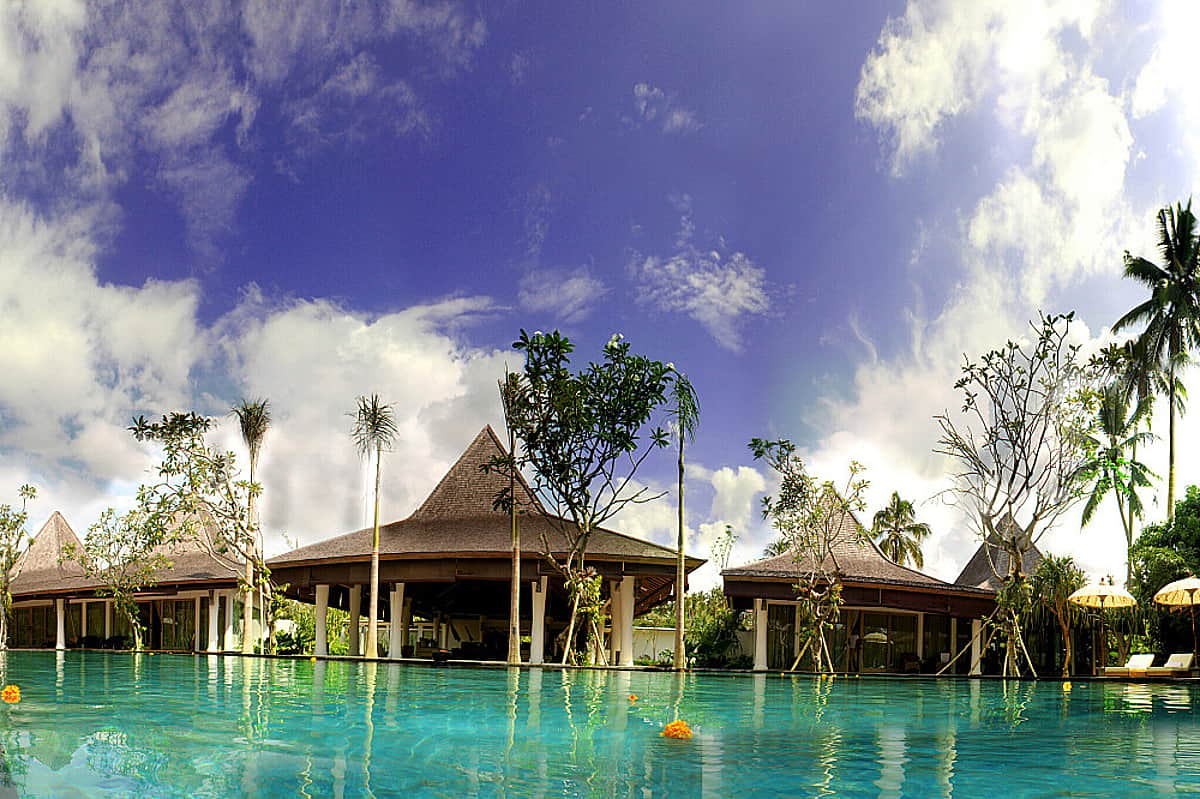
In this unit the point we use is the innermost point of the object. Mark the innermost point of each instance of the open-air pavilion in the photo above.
(445, 573)
(893, 619)
(194, 604)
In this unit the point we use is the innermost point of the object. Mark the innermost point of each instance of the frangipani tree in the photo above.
(813, 518)
(14, 540)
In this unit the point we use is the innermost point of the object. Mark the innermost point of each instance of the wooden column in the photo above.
(355, 616)
(537, 629)
(321, 645)
(760, 635)
(976, 645)
(196, 625)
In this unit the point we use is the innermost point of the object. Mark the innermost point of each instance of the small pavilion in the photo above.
(445, 572)
(893, 619)
(193, 605)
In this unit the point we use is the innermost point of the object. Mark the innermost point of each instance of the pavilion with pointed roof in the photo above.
(893, 618)
(192, 603)
(449, 564)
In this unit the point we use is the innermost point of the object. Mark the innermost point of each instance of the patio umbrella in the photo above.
(1182, 594)
(1104, 596)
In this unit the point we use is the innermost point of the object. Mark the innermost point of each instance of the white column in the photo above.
(921, 636)
(395, 641)
(214, 609)
(537, 629)
(627, 606)
(355, 617)
(60, 635)
(229, 644)
(760, 635)
(614, 611)
(108, 618)
(976, 645)
(321, 645)
(196, 625)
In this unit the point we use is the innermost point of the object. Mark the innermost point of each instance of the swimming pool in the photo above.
(112, 724)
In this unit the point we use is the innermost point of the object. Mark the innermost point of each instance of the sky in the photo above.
(814, 214)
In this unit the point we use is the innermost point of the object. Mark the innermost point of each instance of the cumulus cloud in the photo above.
(654, 106)
(562, 294)
(715, 288)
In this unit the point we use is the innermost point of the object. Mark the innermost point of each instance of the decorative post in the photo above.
(60, 634)
(355, 616)
(321, 645)
(537, 630)
(760, 635)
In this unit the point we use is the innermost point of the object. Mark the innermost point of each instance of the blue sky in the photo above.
(812, 212)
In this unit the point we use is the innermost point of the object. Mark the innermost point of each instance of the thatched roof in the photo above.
(853, 555)
(195, 559)
(39, 569)
(458, 519)
(990, 560)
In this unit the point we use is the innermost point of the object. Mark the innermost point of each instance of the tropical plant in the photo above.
(1112, 466)
(583, 435)
(1163, 553)
(813, 516)
(123, 552)
(374, 431)
(898, 532)
(1053, 580)
(1170, 318)
(254, 419)
(686, 412)
(14, 540)
(1019, 448)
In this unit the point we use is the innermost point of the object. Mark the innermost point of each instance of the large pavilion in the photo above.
(893, 619)
(55, 605)
(449, 563)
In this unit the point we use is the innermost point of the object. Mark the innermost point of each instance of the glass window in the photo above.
(937, 645)
(781, 636)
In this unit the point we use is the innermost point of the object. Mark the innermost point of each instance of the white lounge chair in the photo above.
(1177, 665)
(1137, 665)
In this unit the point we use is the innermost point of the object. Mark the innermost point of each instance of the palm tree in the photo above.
(898, 532)
(1171, 315)
(1109, 466)
(374, 431)
(687, 418)
(254, 418)
(1055, 579)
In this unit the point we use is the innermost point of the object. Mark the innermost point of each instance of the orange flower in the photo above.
(677, 729)
(633, 697)
(11, 694)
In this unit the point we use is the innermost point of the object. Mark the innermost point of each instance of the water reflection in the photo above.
(93, 724)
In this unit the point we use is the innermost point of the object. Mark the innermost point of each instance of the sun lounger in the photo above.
(1135, 667)
(1177, 665)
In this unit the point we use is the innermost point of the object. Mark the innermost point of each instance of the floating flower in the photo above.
(11, 694)
(1067, 687)
(633, 697)
(677, 729)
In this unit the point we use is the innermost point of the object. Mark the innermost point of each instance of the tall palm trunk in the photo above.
(248, 590)
(1171, 446)
(372, 648)
(514, 599)
(680, 574)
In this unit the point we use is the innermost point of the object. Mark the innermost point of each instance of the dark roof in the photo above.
(852, 554)
(39, 568)
(990, 560)
(458, 519)
(39, 571)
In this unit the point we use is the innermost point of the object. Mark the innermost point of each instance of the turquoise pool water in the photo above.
(93, 724)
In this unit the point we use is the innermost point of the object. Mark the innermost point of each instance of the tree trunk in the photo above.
(1171, 447)
(1066, 634)
(680, 574)
(514, 598)
(372, 647)
(248, 590)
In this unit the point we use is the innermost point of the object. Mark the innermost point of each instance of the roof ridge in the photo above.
(469, 494)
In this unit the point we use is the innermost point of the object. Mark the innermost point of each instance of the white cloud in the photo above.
(656, 106)
(564, 295)
(716, 289)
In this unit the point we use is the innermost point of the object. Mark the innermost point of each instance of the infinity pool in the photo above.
(93, 724)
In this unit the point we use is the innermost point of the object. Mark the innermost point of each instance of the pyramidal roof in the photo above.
(468, 490)
(990, 564)
(40, 564)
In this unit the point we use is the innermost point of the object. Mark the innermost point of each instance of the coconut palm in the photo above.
(1113, 465)
(374, 431)
(687, 417)
(254, 419)
(898, 532)
(1055, 579)
(1171, 316)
